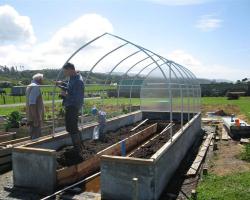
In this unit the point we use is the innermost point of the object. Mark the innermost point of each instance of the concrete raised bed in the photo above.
(34, 164)
(75, 172)
(153, 174)
(6, 152)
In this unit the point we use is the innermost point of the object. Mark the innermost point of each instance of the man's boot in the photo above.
(76, 140)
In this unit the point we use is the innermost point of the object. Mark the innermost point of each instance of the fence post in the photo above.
(123, 148)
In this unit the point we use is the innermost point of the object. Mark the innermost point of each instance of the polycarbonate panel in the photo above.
(155, 95)
(135, 73)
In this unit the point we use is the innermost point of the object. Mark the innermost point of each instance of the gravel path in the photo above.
(7, 192)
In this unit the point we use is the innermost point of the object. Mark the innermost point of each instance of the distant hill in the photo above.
(24, 77)
(212, 81)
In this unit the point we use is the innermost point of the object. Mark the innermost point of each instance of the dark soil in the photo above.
(152, 147)
(67, 155)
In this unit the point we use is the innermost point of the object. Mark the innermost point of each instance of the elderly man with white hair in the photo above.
(34, 106)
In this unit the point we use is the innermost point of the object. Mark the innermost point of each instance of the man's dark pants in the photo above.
(71, 123)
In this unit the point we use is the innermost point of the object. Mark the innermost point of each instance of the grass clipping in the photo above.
(229, 187)
(245, 154)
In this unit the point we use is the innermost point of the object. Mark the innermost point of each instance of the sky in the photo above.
(209, 37)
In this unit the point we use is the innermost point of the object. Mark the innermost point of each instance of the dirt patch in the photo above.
(226, 159)
(153, 146)
(67, 156)
(228, 109)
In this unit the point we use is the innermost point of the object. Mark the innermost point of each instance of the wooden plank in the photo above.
(66, 172)
(14, 141)
(200, 156)
(6, 137)
(224, 135)
(35, 150)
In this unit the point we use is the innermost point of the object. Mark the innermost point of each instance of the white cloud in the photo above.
(14, 27)
(206, 70)
(183, 58)
(208, 23)
(57, 49)
(81, 30)
(179, 2)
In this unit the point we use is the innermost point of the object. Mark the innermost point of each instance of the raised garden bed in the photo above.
(40, 156)
(67, 156)
(153, 165)
(151, 147)
(92, 163)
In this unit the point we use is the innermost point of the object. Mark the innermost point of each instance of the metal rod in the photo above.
(181, 110)
(135, 187)
(138, 125)
(71, 186)
(171, 103)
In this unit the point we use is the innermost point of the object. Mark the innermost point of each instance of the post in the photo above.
(171, 103)
(123, 148)
(181, 109)
(188, 103)
(135, 188)
(193, 101)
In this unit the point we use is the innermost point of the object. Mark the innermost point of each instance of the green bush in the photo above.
(245, 154)
(13, 120)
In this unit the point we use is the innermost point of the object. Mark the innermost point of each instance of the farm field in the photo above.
(48, 93)
(239, 107)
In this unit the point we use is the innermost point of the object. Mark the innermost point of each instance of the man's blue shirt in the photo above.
(75, 90)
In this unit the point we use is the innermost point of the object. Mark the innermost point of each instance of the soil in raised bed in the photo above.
(67, 155)
(153, 146)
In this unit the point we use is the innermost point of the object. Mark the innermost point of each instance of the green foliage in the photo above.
(125, 109)
(229, 187)
(220, 89)
(13, 120)
(245, 154)
(61, 112)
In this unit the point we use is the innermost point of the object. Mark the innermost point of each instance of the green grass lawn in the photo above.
(243, 103)
(47, 93)
(8, 110)
(229, 187)
(89, 103)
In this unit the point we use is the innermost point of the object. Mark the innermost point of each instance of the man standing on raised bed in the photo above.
(34, 106)
(73, 94)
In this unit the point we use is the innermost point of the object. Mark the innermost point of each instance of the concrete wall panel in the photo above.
(34, 171)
